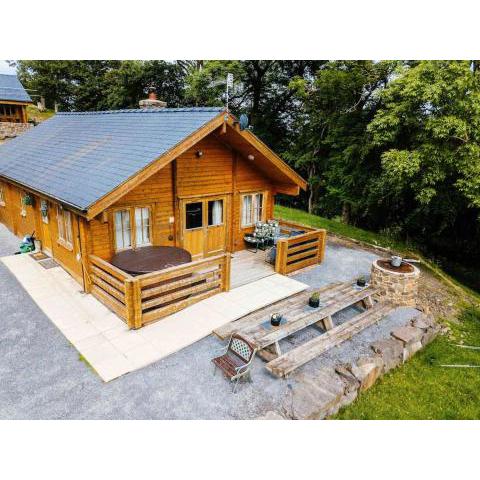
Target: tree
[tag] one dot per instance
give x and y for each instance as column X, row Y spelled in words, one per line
column 331, row 147
column 429, row 133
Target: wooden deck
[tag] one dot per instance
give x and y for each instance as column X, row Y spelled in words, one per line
column 247, row 267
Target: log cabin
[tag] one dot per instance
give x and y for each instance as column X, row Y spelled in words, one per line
column 13, row 100
column 92, row 184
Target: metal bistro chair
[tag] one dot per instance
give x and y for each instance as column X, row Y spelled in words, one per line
column 235, row 359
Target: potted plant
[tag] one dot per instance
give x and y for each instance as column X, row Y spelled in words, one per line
column 361, row 281
column 27, row 199
column 314, row 300
column 275, row 319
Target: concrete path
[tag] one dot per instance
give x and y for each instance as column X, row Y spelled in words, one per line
column 105, row 341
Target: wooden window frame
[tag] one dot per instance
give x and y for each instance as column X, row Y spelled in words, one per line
column 252, row 207
column 64, row 228
column 133, row 226
column 184, row 214
column 150, row 230
column 2, row 195
column 223, row 200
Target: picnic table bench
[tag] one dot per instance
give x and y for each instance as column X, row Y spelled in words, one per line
column 285, row 364
column 266, row 339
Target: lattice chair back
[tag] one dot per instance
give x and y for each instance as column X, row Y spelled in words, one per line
column 240, row 347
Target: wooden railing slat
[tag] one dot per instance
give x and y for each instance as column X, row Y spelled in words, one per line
column 108, row 267
column 180, row 294
column 108, row 278
column 175, row 307
column 110, row 301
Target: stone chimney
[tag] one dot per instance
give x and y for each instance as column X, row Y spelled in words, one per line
column 151, row 101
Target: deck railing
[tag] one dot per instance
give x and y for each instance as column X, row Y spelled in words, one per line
column 109, row 284
column 299, row 251
column 145, row 298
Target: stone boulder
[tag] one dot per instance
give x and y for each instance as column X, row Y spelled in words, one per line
column 367, row 369
column 391, row 351
column 314, row 396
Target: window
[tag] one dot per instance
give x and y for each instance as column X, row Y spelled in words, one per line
column 194, row 215
column 64, row 223
column 252, row 209
column 123, row 236
column 132, row 227
column 215, row 212
column 2, row 195
column 44, row 210
column 142, row 226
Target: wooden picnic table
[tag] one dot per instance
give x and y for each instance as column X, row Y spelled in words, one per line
column 334, row 299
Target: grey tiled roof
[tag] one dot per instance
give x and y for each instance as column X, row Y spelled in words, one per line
column 80, row 157
column 12, row 89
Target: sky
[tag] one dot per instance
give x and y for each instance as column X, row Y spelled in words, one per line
column 5, row 68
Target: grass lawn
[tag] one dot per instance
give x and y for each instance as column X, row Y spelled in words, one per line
column 34, row 113
column 420, row 389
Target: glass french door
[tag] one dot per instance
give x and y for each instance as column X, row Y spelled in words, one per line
column 204, row 228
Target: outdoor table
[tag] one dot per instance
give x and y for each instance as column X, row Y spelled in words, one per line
column 264, row 338
column 150, row 259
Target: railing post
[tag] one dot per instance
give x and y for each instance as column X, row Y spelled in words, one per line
column 129, row 303
column 281, row 257
column 133, row 303
column 226, row 265
column 137, row 303
column 322, row 242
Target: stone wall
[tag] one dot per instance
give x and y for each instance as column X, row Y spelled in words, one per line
column 323, row 394
column 400, row 288
column 11, row 130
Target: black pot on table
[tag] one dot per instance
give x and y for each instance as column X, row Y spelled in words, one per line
column 314, row 302
column 275, row 319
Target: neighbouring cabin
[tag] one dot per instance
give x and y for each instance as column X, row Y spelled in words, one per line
column 13, row 100
column 98, row 184
column 13, row 107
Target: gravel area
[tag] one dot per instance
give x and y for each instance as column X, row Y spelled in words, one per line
column 43, row 377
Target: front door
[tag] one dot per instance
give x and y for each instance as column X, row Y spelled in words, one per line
column 204, row 229
column 45, row 217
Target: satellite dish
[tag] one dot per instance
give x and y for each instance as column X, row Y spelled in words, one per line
column 243, row 121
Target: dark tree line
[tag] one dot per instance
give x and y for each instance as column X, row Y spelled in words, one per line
column 392, row 146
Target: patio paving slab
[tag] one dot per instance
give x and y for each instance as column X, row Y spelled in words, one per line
column 104, row 340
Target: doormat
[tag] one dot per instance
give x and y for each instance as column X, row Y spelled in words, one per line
column 39, row 256
column 49, row 263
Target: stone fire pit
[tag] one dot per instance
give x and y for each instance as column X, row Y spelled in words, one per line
column 399, row 284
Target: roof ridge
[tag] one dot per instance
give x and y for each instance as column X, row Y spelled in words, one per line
column 147, row 110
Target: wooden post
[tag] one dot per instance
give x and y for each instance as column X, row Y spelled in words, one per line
column 226, row 265
column 281, row 258
column 137, row 303
column 129, row 304
column 322, row 242
column 85, row 254
column 133, row 303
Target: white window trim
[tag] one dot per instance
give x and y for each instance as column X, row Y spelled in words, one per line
column 2, row 195
column 252, row 207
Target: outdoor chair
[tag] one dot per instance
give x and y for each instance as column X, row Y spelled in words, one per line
column 263, row 235
column 235, row 359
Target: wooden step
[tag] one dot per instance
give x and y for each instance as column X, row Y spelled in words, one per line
column 289, row 305
column 290, row 361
